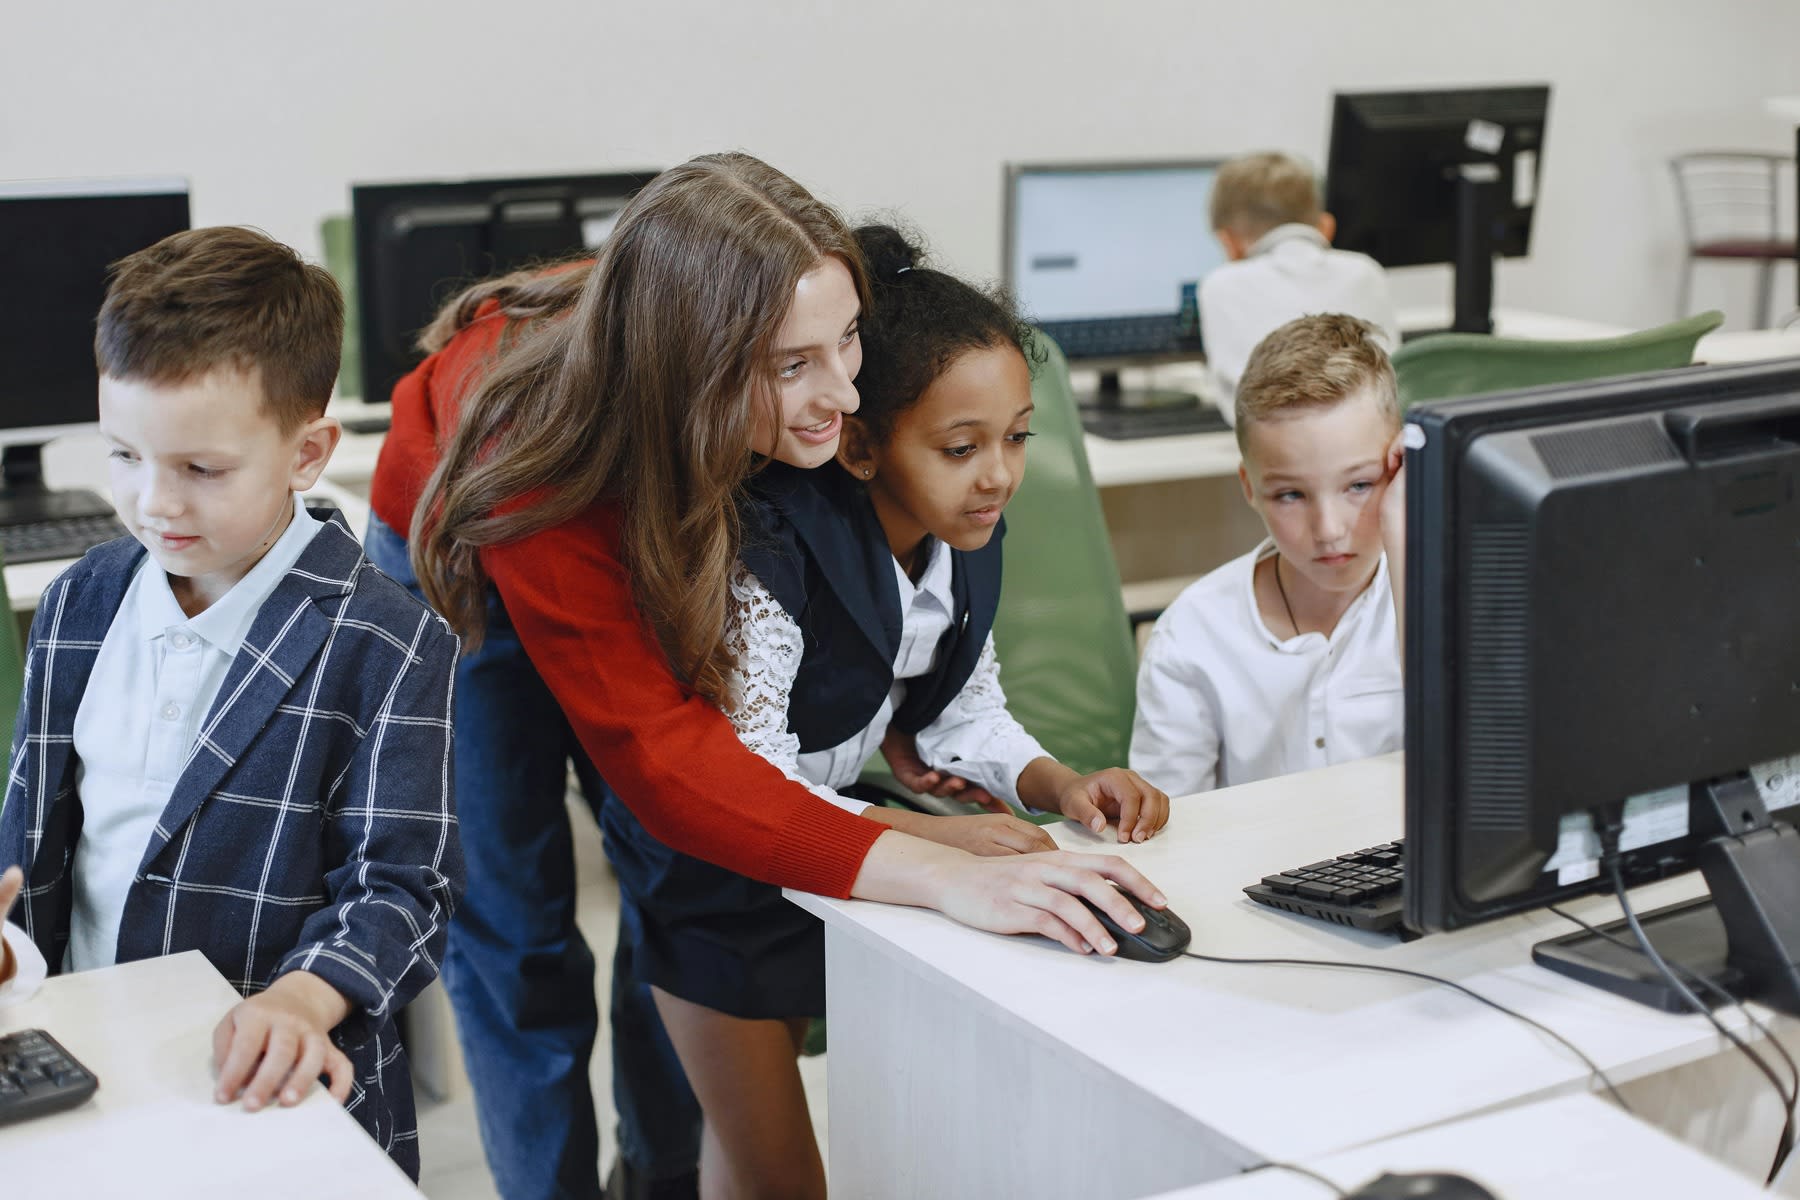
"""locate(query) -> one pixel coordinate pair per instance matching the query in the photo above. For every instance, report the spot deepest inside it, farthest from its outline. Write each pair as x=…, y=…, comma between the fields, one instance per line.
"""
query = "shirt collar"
x=227, y=621
x=1293, y=231
x=935, y=582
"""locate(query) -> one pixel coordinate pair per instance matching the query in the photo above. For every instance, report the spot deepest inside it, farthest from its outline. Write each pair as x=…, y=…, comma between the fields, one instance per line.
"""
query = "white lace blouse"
x=974, y=737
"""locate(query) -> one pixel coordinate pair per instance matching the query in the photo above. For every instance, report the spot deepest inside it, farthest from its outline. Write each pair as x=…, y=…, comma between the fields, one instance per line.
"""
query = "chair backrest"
x=1449, y=365
x=1727, y=195
x=1066, y=655
x=12, y=666
x=338, y=236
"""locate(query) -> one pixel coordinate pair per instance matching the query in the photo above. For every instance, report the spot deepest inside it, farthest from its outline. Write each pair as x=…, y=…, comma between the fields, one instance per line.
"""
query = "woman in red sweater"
x=583, y=474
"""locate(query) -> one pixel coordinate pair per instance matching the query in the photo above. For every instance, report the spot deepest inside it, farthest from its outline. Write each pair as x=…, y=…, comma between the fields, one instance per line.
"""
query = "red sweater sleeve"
x=672, y=757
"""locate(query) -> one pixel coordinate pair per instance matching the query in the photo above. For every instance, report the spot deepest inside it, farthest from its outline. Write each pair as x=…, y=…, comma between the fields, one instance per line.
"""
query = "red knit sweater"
x=670, y=755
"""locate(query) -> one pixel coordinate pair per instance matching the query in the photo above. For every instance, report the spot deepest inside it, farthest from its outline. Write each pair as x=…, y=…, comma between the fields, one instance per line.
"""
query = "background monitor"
x=417, y=243
x=1106, y=257
x=1600, y=630
x=58, y=238
x=1451, y=176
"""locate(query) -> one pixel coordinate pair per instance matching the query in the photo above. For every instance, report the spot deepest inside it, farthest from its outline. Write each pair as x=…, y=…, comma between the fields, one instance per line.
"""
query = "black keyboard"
x=64, y=537
x=1362, y=888
x=37, y=1076
x=1123, y=424
x=1112, y=337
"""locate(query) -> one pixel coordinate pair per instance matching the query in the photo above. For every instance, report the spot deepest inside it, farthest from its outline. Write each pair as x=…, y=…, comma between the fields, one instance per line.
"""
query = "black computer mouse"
x=1422, y=1185
x=1164, y=936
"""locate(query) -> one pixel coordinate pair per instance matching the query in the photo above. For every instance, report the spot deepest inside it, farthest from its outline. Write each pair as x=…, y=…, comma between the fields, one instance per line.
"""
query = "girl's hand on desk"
x=10, y=885
x=1115, y=794
x=986, y=835
x=283, y=1035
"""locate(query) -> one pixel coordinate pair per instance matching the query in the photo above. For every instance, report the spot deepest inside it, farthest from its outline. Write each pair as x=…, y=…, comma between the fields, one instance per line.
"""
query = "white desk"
x=946, y=1038
x=1570, y=1148
x=153, y=1129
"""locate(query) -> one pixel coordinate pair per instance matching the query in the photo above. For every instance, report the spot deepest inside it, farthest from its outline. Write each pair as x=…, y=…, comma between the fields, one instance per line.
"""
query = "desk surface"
x=153, y=1130
x=1569, y=1148
x=1392, y=1054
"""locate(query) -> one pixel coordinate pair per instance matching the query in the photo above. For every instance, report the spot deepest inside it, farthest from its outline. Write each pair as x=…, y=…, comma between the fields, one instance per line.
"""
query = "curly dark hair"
x=920, y=321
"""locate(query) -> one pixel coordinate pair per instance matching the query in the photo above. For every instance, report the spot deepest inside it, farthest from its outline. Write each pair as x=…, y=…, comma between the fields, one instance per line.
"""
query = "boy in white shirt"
x=1267, y=213
x=1288, y=658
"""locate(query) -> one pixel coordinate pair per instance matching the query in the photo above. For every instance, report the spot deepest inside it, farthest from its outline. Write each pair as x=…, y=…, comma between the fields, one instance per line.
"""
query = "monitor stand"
x=1744, y=938
x=1112, y=396
x=1472, y=288
x=24, y=500
x=1120, y=413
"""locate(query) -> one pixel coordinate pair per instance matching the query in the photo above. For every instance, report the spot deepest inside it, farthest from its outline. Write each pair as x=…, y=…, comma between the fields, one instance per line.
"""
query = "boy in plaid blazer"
x=235, y=732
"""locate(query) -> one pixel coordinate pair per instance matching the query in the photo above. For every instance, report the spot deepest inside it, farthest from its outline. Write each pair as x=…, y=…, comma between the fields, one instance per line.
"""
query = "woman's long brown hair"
x=642, y=395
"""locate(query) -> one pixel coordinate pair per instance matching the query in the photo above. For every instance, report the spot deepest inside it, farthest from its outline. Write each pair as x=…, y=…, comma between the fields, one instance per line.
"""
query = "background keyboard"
x=1123, y=424
x=37, y=1076
x=1362, y=888
x=1115, y=336
x=64, y=537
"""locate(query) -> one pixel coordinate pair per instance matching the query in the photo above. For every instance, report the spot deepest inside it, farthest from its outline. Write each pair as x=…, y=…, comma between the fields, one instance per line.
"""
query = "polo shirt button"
x=170, y=711
x=181, y=641
x=1319, y=742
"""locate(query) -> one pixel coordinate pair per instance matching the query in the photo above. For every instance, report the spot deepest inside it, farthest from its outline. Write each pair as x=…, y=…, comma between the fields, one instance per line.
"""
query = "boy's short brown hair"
x=225, y=296
x=1312, y=363
x=1256, y=192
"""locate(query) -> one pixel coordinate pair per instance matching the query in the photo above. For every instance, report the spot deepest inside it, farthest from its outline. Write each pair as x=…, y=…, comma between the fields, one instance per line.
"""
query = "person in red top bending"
x=574, y=483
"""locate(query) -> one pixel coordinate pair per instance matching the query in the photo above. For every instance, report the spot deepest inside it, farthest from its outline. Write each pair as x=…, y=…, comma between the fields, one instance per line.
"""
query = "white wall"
x=271, y=109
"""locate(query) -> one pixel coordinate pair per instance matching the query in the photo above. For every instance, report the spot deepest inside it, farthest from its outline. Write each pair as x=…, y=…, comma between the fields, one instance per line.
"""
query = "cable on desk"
x=1297, y=1169
x=1382, y=969
x=1786, y=1143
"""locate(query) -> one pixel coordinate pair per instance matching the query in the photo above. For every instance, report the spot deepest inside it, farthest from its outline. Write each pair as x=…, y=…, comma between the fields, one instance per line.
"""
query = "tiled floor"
x=450, y=1148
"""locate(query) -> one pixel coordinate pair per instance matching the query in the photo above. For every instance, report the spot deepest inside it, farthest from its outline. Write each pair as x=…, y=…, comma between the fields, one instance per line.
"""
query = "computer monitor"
x=1601, y=628
x=1424, y=177
x=1107, y=258
x=58, y=239
x=417, y=243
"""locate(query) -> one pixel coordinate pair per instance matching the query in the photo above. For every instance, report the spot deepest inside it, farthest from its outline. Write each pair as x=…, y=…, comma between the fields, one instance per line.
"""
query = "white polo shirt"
x=152, y=685
x=1291, y=272
x=1223, y=700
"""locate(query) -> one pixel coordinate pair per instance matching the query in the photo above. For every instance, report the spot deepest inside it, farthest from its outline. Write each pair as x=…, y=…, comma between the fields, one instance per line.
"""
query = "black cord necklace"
x=1284, y=600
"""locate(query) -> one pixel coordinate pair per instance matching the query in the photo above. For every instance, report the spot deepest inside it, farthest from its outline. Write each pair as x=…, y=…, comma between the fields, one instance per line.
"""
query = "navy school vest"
x=812, y=538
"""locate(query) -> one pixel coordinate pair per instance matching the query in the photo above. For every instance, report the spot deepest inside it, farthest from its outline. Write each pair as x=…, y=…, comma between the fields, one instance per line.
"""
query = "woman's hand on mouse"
x=1114, y=794
x=1023, y=893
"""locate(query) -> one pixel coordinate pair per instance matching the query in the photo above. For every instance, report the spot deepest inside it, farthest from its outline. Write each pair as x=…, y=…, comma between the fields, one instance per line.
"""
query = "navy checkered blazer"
x=312, y=827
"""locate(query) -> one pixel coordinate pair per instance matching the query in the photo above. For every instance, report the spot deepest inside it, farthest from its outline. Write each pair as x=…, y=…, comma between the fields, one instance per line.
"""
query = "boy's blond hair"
x=1314, y=363
x=1256, y=192
x=225, y=297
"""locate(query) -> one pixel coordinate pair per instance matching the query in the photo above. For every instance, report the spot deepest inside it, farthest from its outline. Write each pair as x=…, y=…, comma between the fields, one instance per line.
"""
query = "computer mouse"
x=1164, y=936
x=1422, y=1185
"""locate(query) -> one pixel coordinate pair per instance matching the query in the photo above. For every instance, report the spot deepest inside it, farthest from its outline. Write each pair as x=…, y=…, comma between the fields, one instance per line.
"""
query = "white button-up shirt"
x=974, y=737
x=153, y=683
x=1223, y=700
x=1291, y=271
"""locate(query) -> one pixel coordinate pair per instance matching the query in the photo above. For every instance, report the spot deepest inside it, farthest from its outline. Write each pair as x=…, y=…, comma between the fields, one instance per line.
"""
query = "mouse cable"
x=1382, y=969
x=1786, y=1142
x=1297, y=1169
x=1791, y=1093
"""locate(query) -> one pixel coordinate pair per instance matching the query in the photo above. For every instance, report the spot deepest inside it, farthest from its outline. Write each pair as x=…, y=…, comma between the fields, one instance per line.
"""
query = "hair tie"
x=903, y=270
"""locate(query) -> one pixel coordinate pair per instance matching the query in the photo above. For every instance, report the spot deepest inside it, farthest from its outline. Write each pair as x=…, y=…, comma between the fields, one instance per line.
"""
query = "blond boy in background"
x=1266, y=212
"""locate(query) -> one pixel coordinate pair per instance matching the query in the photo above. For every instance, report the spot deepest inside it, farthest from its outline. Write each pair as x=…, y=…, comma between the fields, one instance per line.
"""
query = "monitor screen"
x=1390, y=179
x=417, y=244
x=1599, y=604
x=58, y=239
x=1105, y=242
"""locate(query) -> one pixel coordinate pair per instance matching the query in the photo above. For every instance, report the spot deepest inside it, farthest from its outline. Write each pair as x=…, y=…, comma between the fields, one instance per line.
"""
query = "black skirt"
x=711, y=936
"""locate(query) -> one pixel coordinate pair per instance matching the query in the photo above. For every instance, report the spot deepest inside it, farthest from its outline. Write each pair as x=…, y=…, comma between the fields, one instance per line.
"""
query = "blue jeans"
x=519, y=974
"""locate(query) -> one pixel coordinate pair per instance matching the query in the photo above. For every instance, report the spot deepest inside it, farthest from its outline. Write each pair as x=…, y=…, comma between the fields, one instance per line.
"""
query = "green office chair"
x=1449, y=365
x=338, y=237
x=1067, y=659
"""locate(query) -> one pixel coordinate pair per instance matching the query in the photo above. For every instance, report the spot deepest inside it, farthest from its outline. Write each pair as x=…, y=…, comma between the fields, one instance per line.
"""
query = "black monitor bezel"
x=368, y=201
x=1433, y=900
